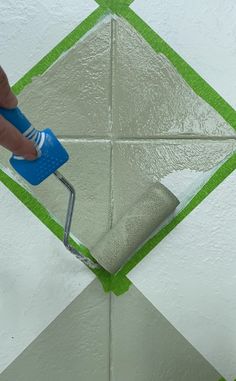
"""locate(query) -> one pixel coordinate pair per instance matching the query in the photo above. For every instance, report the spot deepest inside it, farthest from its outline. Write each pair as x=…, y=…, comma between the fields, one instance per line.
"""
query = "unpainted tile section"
x=89, y=172
x=138, y=164
x=145, y=346
x=72, y=96
x=73, y=347
x=150, y=98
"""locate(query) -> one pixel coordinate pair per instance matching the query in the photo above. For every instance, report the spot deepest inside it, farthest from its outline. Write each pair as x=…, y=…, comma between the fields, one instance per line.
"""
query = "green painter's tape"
x=114, y=5
x=198, y=84
x=70, y=40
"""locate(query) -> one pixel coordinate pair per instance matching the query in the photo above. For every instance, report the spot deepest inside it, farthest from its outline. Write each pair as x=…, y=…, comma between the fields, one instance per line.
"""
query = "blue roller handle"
x=51, y=154
x=17, y=118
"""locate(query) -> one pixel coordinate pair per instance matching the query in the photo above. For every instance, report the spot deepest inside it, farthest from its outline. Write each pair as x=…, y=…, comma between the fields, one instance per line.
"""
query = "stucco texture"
x=30, y=28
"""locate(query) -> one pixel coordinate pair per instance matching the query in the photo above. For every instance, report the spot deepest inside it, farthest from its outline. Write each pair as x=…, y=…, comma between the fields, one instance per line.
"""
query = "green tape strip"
x=114, y=5
x=198, y=84
x=70, y=40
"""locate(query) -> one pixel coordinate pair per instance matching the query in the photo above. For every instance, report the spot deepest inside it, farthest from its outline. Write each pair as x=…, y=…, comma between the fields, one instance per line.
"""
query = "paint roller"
x=134, y=228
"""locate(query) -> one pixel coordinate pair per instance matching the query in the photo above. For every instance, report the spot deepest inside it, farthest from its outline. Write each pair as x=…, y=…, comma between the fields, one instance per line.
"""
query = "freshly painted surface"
x=190, y=277
x=30, y=28
x=150, y=98
x=73, y=347
x=202, y=32
x=72, y=96
x=180, y=164
x=135, y=227
x=145, y=346
x=38, y=277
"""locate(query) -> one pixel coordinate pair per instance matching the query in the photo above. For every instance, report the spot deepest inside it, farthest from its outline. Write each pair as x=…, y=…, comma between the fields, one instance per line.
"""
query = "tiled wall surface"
x=128, y=119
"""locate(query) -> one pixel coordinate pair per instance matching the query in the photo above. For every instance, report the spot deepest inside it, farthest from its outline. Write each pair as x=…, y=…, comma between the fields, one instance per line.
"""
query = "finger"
x=14, y=141
x=7, y=98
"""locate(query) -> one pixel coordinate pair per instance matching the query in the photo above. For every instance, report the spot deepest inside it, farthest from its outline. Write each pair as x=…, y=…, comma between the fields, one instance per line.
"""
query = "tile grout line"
x=112, y=59
x=112, y=63
x=97, y=139
x=175, y=137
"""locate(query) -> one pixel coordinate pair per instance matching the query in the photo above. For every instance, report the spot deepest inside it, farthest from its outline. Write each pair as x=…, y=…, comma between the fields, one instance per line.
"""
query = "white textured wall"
x=29, y=29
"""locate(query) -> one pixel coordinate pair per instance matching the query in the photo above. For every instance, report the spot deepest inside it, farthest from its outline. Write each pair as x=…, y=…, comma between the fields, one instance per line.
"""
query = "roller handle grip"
x=51, y=154
x=17, y=118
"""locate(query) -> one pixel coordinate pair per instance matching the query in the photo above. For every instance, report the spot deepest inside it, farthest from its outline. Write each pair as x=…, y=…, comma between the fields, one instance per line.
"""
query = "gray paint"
x=73, y=348
x=150, y=98
x=72, y=97
x=134, y=227
x=146, y=347
x=137, y=164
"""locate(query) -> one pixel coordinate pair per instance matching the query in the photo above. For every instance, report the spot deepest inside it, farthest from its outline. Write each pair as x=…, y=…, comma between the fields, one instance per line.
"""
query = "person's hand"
x=10, y=137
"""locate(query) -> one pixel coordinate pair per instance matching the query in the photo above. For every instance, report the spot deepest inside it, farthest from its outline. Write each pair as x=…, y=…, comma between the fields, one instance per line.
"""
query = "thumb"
x=14, y=141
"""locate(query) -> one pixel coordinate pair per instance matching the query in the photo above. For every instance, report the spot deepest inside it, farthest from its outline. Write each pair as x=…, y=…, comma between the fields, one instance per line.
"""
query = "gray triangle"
x=145, y=346
x=74, y=346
